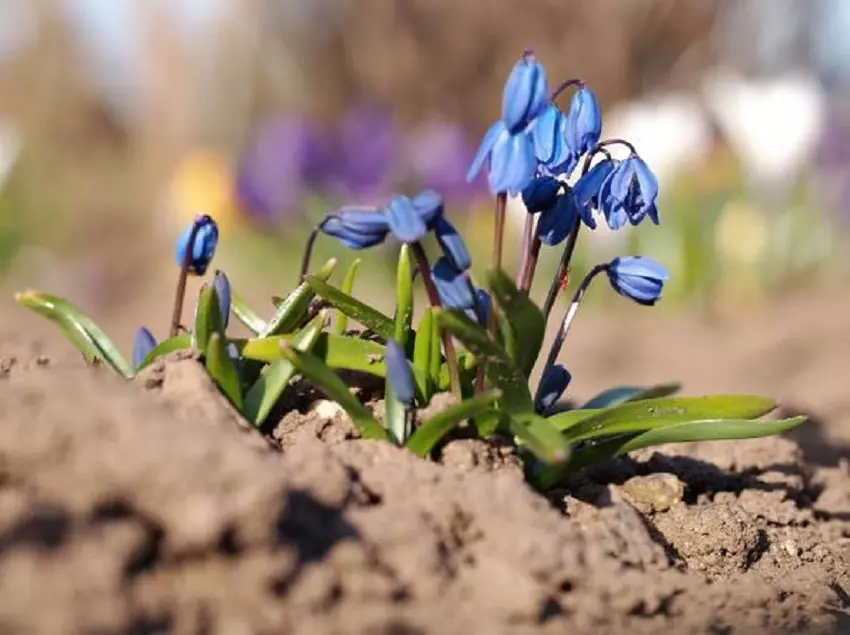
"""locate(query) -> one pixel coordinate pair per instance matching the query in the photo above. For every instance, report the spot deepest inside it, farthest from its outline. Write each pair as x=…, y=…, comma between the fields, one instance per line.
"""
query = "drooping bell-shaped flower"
x=525, y=92
x=399, y=375
x=452, y=244
x=541, y=194
x=144, y=343
x=203, y=233
x=552, y=385
x=629, y=193
x=558, y=221
x=453, y=286
x=637, y=278
x=587, y=188
x=549, y=134
x=357, y=228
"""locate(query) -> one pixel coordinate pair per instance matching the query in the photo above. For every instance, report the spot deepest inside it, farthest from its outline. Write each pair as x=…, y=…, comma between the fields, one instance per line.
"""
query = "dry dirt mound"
x=148, y=508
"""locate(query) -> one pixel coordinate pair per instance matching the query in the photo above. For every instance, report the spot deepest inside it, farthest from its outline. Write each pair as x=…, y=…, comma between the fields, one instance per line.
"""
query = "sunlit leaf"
x=622, y=394
x=540, y=437
x=245, y=314
x=208, y=318
x=341, y=322
x=352, y=307
x=423, y=349
x=176, y=343
x=429, y=434
x=222, y=368
x=522, y=323
x=292, y=309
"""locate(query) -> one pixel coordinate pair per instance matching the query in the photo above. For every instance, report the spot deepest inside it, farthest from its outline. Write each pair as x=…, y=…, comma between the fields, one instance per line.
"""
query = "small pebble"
x=654, y=492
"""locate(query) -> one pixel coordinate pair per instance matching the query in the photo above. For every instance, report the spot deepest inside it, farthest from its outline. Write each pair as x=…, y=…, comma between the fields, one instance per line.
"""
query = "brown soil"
x=149, y=508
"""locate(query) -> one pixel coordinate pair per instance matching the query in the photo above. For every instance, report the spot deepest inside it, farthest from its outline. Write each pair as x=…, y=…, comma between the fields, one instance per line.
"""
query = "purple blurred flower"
x=438, y=154
x=286, y=153
x=365, y=153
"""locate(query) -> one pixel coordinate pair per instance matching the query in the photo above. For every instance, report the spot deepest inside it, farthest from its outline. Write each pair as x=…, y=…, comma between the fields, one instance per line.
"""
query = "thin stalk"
x=183, y=276
x=569, y=249
x=563, y=86
x=434, y=298
x=308, y=251
x=567, y=322
x=499, y=231
x=531, y=265
x=528, y=239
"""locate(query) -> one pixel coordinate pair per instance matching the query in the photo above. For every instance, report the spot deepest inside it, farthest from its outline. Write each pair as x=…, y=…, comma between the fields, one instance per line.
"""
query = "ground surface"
x=147, y=508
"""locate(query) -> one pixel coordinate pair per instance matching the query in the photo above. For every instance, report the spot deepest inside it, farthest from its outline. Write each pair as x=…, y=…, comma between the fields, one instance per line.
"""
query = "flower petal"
x=555, y=225
x=367, y=220
x=350, y=237
x=222, y=292
x=513, y=165
x=452, y=244
x=484, y=150
x=544, y=132
x=552, y=385
x=405, y=223
x=524, y=95
x=454, y=287
x=399, y=375
x=429, y=206
x=541, y=194
x=144, y=343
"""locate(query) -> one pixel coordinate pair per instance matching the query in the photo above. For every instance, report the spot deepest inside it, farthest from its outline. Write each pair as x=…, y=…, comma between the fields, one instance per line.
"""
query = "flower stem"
x=530, y=265
x=569, y=249
x=308, y=251
x=563, y=86
x=499, y=232
x=569, y=316
x=526, y=247
x=183, y=276
x=434, y=298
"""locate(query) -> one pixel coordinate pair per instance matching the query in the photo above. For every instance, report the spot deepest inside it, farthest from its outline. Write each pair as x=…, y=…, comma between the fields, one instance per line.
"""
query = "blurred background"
x=120, y=119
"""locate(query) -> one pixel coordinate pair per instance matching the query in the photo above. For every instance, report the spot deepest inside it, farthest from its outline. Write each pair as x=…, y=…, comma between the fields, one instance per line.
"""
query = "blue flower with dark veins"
x=399, y=375
x=453, y=286
x=222, y=292
x=203, y=233
x=525, y=92
x=629, y=193
x=144, y=343
x=351, y=227
x=549, y=135
x=558, y=221
x=452, y=244
x=587, y=188
x=542, y=194
x=637, y=278
x=552, y=385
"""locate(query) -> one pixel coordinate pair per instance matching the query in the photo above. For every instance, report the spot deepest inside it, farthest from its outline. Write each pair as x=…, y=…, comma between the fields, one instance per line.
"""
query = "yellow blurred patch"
x=741, y=233
x=204, y=183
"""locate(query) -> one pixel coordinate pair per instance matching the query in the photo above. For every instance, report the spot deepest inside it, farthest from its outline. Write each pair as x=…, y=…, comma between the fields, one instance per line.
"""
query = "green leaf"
x=291, y=310
x=501, y=370
x=403, y=297
x=347, y=287
x=436, y=356
x=222, y=369
x=652, y=413
x=703, y=430
x=207, y=317
x=428, y=435
x=176, y=343
x=86, y=336
x=396, y=418
x=265, y=392
x=245, y=314
x=324, y=379
x=522, y=323
x=337, y=351
x=423, y=348
x=352, y=307
x=539, y=436
x=622, y=394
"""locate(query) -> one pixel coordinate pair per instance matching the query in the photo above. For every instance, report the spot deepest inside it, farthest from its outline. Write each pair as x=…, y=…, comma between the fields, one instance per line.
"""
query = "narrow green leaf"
x=522, y=322
x=347, y=287
x=683, y=432
x=352, y=307
x=291, y=310
x=501, y=370
x=86, y=336
x=269, y=386
x=539, y=436
x=245, y=314
x=652, y=413
x=436, y=355
x=176, y=343
x=429, y=434
x=622, y=394
x=403, y=297
x=223, y=369
x=337, y=351
x=324, y=379
x=422, y=353
x=207, y=317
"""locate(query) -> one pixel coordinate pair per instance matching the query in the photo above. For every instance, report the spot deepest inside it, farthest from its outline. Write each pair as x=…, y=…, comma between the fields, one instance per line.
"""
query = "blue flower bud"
x=556, y=223
x=628, y=194
x=584, y=122
x=453, y=286
x=222, y=292
x=549, y=134
x=203, y=246
x=429, y=206
x=366, y=220
x=145, y=342
x=405, y=222
x=399, y=375
x=525, y=93
x=552, y=385
x=637, y=278
x=353, y=234
x=541, y=194
x=452, y=244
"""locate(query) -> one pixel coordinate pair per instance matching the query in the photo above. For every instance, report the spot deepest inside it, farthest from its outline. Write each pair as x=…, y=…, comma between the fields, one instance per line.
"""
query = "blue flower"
x=205, y=240
x=407, y=219
x=637, y=278
x=481, y=311
x=399, y=375
x=525, y=93
x=541, y=194
x=549, y=135
x=587, y=188
x=557, y=222
x=552, y=385
x=629, y=193
x=453, y=286
x=145, y=342
x=222, y=292
x=452, y=244
x=507, y=145
x=584, y=126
